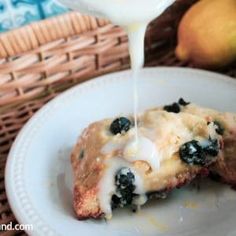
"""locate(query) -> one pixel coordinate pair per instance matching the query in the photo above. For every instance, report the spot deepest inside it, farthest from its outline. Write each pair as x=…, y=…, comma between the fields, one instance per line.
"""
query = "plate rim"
x=20, y=214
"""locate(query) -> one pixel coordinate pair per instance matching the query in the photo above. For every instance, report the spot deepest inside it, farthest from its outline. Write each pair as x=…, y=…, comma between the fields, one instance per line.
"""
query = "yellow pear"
x=207, y=33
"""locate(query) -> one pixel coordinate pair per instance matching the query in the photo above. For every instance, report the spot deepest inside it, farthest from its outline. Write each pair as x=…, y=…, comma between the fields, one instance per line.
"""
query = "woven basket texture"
x=39, y=61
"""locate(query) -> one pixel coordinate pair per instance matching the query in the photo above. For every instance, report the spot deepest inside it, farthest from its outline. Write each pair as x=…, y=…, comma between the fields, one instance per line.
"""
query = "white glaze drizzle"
x=142, y=149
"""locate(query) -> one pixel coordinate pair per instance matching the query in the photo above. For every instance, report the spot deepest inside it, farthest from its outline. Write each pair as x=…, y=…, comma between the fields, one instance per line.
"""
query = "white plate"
x=38, y=174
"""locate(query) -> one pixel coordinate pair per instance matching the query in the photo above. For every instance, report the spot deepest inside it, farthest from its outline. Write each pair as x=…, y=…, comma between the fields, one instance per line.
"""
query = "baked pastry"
x=225, y=168
x=225, y=123
x=115, y=166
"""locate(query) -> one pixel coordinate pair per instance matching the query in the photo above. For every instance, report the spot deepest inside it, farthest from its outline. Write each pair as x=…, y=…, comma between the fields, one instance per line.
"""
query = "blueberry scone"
x=115, y=166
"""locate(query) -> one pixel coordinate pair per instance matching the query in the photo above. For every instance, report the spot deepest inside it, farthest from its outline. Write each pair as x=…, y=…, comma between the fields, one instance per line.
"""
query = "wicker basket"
x=43, y=59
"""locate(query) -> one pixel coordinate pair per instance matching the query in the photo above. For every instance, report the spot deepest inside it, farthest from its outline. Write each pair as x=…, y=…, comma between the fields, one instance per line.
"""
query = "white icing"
x=132, y=148
x=212, y=130
x=142, y=149
x=133, y=16
x=107, y=186
x=112, y=146
x=117, y=142
x=140, y=200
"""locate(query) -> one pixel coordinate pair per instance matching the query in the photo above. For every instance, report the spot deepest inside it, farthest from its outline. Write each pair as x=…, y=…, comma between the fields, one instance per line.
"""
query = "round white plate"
x=38, y=172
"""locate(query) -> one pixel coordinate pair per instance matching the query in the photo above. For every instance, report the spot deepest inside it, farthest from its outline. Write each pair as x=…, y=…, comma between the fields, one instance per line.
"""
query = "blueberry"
x=212, y=148
x=219, y=128
x=115, y=201
x=120, y=125
x=124, y=178
x=124, y=182
x=192, y=153
x=126, y=196
x=182, y=102
x=81, y=154
x=175, y=108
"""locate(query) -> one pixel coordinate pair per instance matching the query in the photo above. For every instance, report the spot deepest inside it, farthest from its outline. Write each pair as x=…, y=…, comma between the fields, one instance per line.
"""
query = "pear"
x=207, y=33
